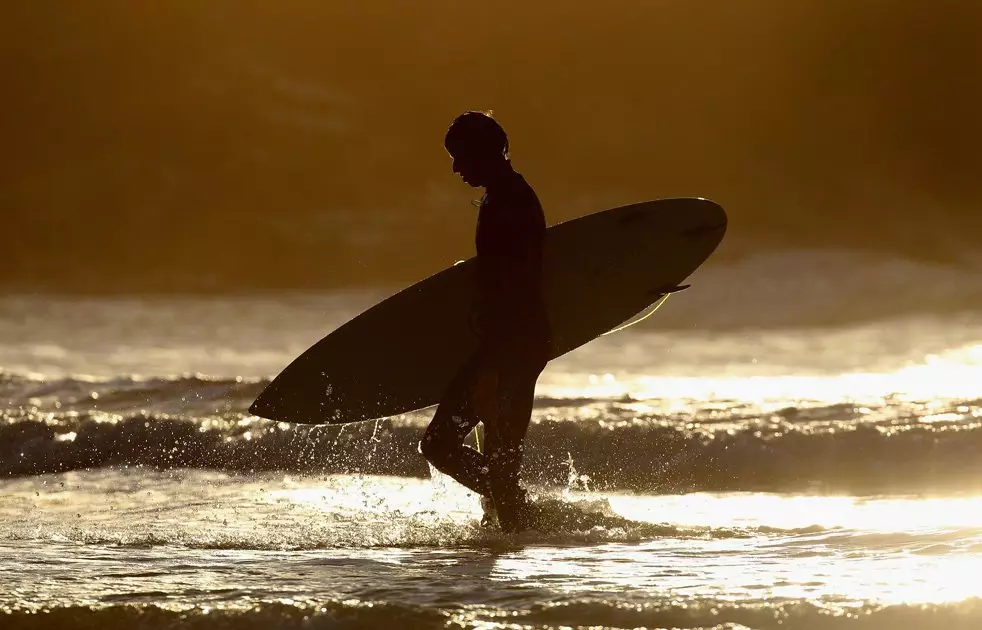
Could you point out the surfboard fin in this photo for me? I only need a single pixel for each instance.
(660, 291)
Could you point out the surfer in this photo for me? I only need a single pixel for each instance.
(496, 386)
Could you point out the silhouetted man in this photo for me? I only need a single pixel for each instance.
(496, 385)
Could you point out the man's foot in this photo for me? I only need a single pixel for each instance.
(490, 518)
(519, 515)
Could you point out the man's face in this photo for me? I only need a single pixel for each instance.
(470, 168)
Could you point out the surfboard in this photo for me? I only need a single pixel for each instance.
(399, 355)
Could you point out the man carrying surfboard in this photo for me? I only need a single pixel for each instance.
(496, 385)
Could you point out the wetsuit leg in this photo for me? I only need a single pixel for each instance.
(455, 417)
(504, 437)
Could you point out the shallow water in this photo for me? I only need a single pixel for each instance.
(273, 547)
(804, 478)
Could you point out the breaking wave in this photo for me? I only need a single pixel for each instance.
(196, 422)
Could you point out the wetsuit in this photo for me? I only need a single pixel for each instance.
(514, 343)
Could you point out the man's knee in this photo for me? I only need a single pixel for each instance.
(442, 436)
(433, 447)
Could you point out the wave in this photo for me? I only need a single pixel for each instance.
(194, 421)
(965, 615)
(617, 450)
(191, 394)
(199, 395)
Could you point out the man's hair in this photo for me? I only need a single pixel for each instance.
(476, 133)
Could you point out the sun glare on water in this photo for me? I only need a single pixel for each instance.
(897, 550)
(955, 374)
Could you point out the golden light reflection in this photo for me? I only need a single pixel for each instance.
(795, 512)
(729, 547)
(888, 551)
(384, 494)
(950, 375)
(848, 550)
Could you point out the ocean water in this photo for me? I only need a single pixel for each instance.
(700, 474)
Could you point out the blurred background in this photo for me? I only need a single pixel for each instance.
(188, 147)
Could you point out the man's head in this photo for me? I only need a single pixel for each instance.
(478, 146)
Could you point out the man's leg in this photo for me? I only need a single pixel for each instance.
(504, 437)
(443, 443)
